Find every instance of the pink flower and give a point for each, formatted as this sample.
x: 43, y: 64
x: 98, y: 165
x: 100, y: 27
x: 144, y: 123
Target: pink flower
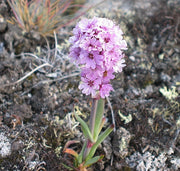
x: 75, y: 55
x: 107, y: 76
x: 105, y: 89
x: 89, y: 85
x: 97, y: 47
x: 91, y: 59
x: 119, y: 65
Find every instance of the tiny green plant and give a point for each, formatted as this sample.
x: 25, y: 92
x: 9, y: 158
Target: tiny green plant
x: 97, y: 48
x: 42, y: 16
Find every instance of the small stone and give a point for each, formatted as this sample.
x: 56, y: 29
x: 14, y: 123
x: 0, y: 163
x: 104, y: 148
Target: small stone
x: 136, y: 92
x: 121, y: 142
x: 165, y: 78
x: 107, y: 148
x: 3, y: 8
x: 1, y: 47
x: 5, y: 146
x: 17, y: 145
x: 132, y: 58
x: 3, y: 26
x: 161, y: 56
x: 148, y: 89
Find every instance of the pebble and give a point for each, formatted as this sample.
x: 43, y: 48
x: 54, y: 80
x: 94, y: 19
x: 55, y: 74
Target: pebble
x: 1, y: 47
x: 5, y: 146
x: 132, y: 58
x: 3, y: 25
x: 165, y: 77
x: 148, y: 89
x: 121, y: 142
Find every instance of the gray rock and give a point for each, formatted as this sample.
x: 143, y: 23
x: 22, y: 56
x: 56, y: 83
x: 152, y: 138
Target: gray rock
x: 3, y: 26
x: 165, y: 77
x: 120, y: 142
x: 5, y: 146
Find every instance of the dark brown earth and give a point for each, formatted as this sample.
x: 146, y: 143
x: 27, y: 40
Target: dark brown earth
x: 36, y: 109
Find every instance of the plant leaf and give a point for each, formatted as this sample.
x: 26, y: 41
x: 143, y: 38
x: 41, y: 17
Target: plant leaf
x: 99, y: 141
x: 101, y: 125
x: 85, y: 128
x: 69, y: 143
x: 80, y: 157
x: 72, y: 152
x: 67, y: 167
x: 93, y: 160
x: 98, y: 120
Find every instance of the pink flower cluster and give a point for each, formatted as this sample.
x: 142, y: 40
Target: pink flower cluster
x: 97, y: 47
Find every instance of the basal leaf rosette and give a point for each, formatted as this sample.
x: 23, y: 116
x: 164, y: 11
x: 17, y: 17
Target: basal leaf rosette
x: 97, y: 47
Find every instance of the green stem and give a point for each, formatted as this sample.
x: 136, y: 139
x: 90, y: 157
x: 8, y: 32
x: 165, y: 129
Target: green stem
x: 91, y: 125
x: 95, y: 124
x: 89, y: 145
x: 98, y: 119
x: 93, y: 115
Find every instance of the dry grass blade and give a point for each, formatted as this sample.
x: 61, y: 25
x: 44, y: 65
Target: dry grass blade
x: 112, y: 113
x: 43, y: 16
x: 27, y: 75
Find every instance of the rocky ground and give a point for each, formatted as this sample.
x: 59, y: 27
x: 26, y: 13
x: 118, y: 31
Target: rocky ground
x: 37, y: 104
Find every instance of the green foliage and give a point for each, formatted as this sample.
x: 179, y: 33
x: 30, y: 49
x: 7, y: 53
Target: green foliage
x: 98, y: 118
x: 93, y: 160
x: 84, y: 128
x: 100, y: 139
x: 86, y: 157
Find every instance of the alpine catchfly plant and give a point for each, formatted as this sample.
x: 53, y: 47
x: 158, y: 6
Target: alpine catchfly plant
x: 97, y: 47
